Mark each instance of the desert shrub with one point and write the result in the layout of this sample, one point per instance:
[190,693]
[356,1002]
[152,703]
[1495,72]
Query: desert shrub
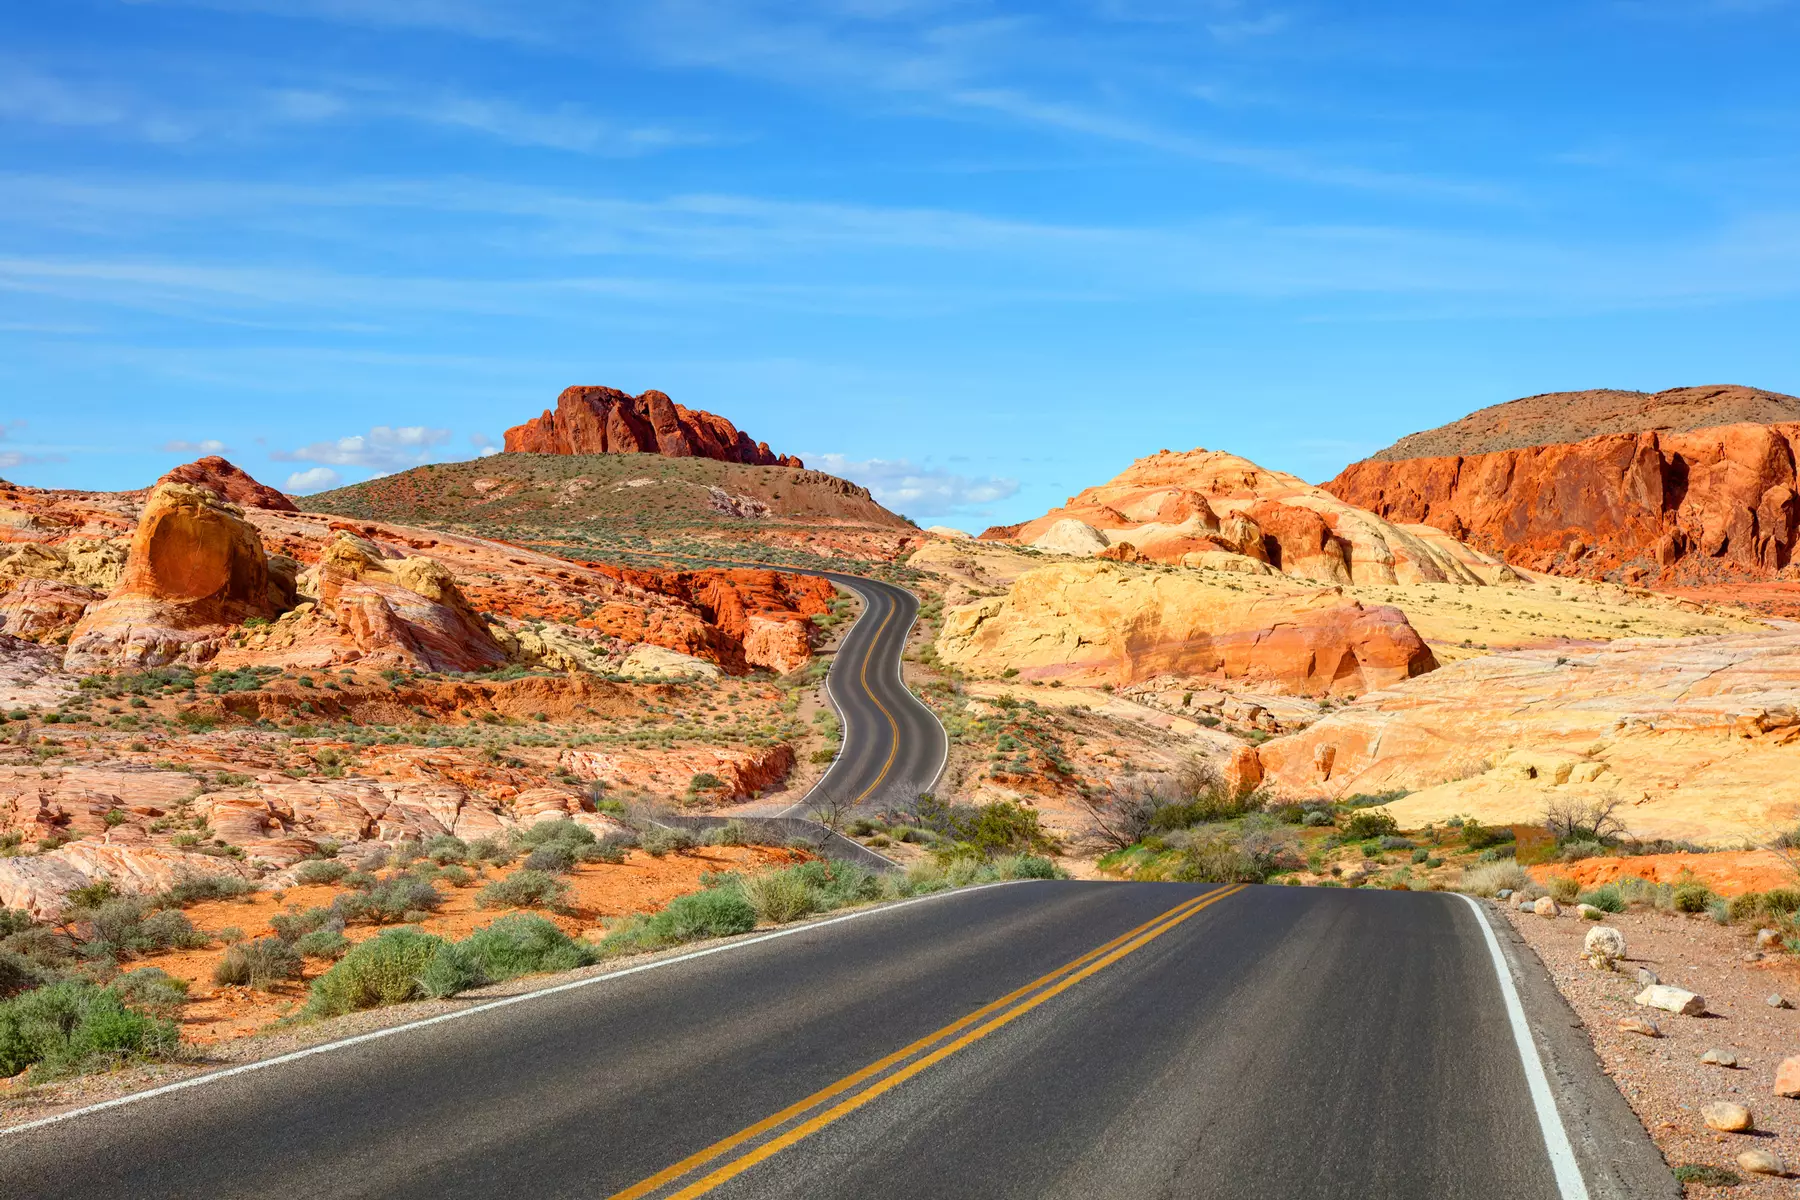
[560,832]
[399,898]
[524,888]
[204,887]
[445,849]
[1368,823]
[551,856]
[152,990]
[19,973]
[1779,902]
[1563,889]
[260,964]
[1397,843]
[1489,878]
[490,851]
[74,1024]
[455,876]
[779,896]
[1026,866]
[715,912]
[1314,818]
[524,944]
[1606,899]
[124,927]
[658,840]
[1479,837]
[293,926]
[1692,897]
[1706,1175]
[322,943]
[734,833]
[606,850]
[383,970]
[1218,860]
[320,871]
[1578,850]
[1421,855]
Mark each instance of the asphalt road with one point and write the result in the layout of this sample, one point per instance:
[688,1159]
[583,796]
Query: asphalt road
[1051,1039]
[893,746]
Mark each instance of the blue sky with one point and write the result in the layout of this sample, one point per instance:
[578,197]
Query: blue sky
[978,255]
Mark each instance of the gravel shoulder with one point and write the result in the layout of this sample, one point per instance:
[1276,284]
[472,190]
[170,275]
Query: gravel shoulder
[1662,1078]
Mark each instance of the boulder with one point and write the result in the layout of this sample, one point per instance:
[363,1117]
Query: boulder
[1762,1162]
[1787,1077]
[405,609]
[1723,1058]
[1604,946]
[195,569]
[1727,1117]
[1588,912]
[654,662]
[1544,906]
[1671,999]
[1070,536]
[1639,1025]
[1768,939]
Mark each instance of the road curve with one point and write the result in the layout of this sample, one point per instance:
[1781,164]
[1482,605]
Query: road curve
[1054,1039]
[893,747]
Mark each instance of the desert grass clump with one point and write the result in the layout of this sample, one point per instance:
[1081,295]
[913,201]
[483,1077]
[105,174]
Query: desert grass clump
[1564,889]
[1692,897]
[1491,878]
[524,944]
[780,896]
[320,871]
[323,943]
[1606,899]
[383,970]
[714,912]
[524,888]
[260,964]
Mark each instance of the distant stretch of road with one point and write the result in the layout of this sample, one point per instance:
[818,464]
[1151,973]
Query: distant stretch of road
[1037,1040]
[893,746]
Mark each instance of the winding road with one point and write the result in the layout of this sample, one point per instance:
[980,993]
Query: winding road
[1053,1039]
[893,747]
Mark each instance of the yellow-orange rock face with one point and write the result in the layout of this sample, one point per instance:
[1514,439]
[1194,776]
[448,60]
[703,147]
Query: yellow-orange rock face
[195,568]
[1699,737]
[1097,622]
[1206,508]
[408,610]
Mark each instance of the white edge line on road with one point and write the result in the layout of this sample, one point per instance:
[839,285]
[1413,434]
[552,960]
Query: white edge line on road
[489,1006]
[1569,1183]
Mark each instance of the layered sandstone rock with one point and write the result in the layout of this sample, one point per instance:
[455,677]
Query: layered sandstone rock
[603,420]
[196,568]
[1205,508]
[1651,494]
[1699,736]
[765,613]
[230,482]
[44,610]
[40,884]
[1100,622]
[405,609]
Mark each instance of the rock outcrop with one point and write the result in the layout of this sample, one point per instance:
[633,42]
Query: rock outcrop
[603,420]
[762,615]
[195,569]
[230,482]
[1097,622]
[406,609]
[44,610]
[1699,737]
[1205,508]
[1667,501]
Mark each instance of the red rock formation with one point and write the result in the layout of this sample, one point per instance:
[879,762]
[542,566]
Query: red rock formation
[1692,507]
[405,610]
[231,482]
[603,420]
[195,568]
[43,610]
[763,612]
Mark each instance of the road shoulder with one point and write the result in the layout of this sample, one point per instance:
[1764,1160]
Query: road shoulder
[1618,1160]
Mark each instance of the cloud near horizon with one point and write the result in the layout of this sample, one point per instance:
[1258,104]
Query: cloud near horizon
[204,446]
[384,448]
[316,479]
[916,491]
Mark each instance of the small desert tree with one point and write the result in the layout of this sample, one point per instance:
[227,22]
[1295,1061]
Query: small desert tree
[1584,819]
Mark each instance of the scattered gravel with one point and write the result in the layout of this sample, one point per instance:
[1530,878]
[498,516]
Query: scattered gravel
[1665,1078]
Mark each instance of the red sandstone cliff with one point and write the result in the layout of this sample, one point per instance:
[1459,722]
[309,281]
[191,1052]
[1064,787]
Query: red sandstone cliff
[1689,506]
[603,420]
[231,482]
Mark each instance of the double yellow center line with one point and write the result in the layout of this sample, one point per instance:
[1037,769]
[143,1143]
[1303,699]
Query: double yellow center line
[881,1076]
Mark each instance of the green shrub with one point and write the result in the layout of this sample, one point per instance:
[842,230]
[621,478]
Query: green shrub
[1692,898]
[1218,860]
[657,841]
[19,973]
[1026,866]
[1704,1175]
[524,944]
[734,833]
[1563,889]
[524,888]
[715,912]
[322,943]
[320,871]
[291,927]
[1606,899]
[74,1024]
[260,964]
[152,990]
[560,832]
[395,899]
[1779,902]
[551,856]
[455,876]
[1369,823]
[1744,907]
[446,849]
[779,896]
[383,970]
[490,851]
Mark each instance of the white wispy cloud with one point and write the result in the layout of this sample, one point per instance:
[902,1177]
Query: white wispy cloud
[383,448]
[919,491]
[314,479]
[204,446]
